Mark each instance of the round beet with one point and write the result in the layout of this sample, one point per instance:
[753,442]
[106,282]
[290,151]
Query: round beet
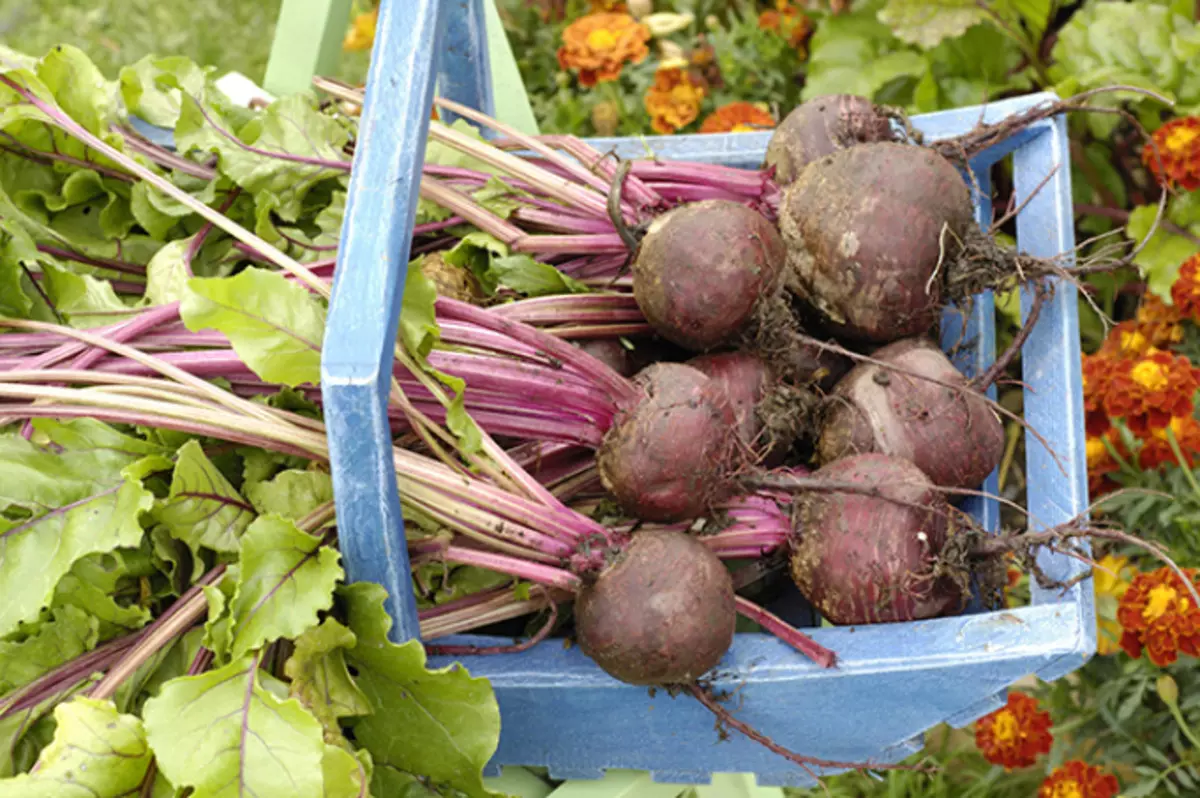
[951,435]
[821,126]
[663,613]
[701,270]
[870,232]
[770,417]
[611,352]
[862,559]
[668,456]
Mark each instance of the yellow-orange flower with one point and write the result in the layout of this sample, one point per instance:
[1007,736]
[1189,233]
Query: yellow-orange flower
[1110,578]
[1156,448]
[608,6]
[1076,779]
[361,35]
[1178,145]
[599,45]
[673,101]
[1151,390]
[789,22]
[1158,613]
[737,117]
[1097,374]
[1185,292]
[1015,734]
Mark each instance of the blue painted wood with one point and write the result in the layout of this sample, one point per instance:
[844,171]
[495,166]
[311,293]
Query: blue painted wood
[894,681]
[357,355]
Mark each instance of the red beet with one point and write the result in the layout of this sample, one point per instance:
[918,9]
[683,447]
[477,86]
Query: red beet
[663,613]
[822,126]
[953,436]
[668,456]
[870,232]
[611,352]
[770,417]
[702,269]
[862,559]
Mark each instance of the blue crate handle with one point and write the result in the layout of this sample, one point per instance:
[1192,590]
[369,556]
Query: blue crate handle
[560,711]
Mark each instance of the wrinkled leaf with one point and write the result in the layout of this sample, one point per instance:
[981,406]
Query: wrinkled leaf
[442,724]
[293,493]
[275,325]
[96,753]
[226,734]
[203,509]
[928,22]
[286,578]
[319,677]
[1160,259]
[855,53]
[69,633]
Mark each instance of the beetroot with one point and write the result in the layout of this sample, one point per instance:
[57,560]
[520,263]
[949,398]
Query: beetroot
[867,229]
[663,613]
[951,435]
[702,269]
[770,417]
[611,352]
[822,126]
[862,559]
[669,454]
[451,281]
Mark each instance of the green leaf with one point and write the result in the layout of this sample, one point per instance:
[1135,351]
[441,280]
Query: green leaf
[1142,44]
[89,587]
[291,494]
[1160,259]
[319,677]
[441,724]
[69,633]
[289,126]
[489,260]
[928,22]
[74,517]
[855,53]
[96,753]
[153,87]
[345,775]
[166,273]
[218,626]
[276,326]
[83,300]
[226,734]
[79,88]
[23,735]
[202,508]
[286,578]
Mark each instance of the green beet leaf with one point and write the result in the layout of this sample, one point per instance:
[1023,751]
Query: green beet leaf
[96,753]
[275,325]
[84,301]
[346,775]
[23,735]
[319,676]
[928,22]
[203,509]
[73,515]
[69,633]
[153,88]
[166,273]
[855,53]
[440,724]
[1160,259]
[293,493]
[286,577]
[226,734]
[489,260]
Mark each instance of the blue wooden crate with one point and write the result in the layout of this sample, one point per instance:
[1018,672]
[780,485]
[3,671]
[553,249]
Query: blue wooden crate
[558,709]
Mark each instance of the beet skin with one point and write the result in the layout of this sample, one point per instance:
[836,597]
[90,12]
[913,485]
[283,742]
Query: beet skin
[951,435]
[662,614]
[867,229]
[668,455]
[860,559]
[822,126]
[702,269]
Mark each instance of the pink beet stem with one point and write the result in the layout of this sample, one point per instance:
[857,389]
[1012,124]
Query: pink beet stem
[786,632]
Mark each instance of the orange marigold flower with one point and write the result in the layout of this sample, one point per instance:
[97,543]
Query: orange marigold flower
[1158,613]
[1100,462]
[1156,449]
[361,35]
[1185,292]
[789,22]
[673,101]
[1015,734]
[1178,145]
[1110,578]
[1150,391]
[737,117]
[598,45]
[609,6]
[1076,779]
[1097,374]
